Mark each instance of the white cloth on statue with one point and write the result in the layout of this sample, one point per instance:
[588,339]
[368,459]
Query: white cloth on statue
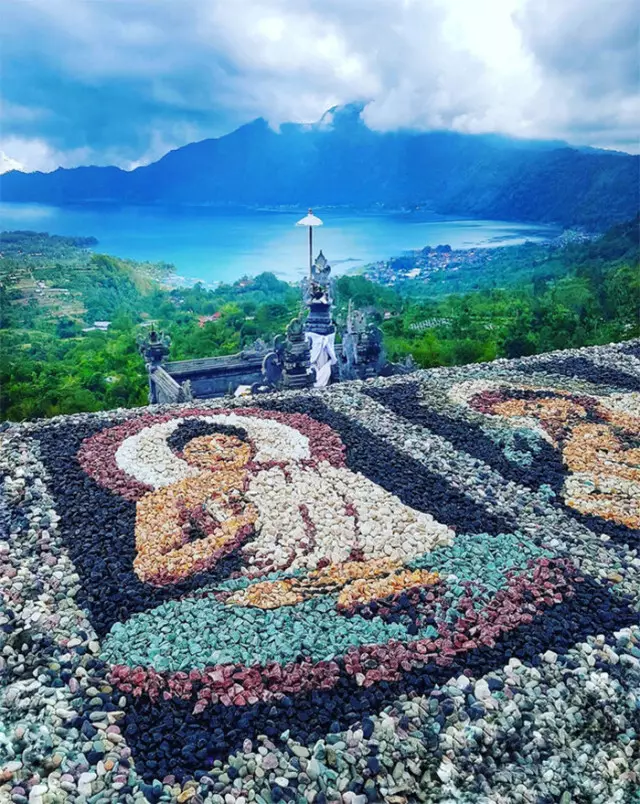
[322,357]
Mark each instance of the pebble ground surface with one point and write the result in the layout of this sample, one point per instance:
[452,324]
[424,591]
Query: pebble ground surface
[419,589]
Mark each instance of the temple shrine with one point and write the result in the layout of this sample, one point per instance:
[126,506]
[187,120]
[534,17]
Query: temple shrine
[307,355]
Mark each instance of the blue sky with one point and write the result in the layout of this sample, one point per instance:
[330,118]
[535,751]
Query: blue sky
[123,81]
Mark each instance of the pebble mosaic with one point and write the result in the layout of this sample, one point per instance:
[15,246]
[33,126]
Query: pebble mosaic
[425,588]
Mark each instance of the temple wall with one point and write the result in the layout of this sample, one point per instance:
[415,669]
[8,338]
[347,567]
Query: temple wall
[214,379]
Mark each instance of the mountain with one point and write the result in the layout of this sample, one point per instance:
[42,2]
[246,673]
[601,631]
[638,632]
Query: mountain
[340,162]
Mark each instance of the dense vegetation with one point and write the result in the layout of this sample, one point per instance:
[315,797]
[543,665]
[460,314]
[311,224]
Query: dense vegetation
[532,299]
[52,289]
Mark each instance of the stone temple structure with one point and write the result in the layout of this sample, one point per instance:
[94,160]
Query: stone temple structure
[306,355]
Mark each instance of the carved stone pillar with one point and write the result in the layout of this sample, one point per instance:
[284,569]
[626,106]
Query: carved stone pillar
[154,348]
[319,298]
[296,372]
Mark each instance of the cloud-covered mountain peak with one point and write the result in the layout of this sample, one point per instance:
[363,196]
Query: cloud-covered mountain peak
[7,163]
[348,114]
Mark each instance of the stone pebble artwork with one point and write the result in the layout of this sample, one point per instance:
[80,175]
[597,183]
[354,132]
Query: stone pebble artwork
[418,589]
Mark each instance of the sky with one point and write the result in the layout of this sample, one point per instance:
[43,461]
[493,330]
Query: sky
[123,81]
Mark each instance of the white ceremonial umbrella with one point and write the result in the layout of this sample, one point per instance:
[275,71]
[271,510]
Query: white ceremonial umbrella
[310,220]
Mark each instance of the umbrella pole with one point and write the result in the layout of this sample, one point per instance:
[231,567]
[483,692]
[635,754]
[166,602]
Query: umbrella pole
[310,250]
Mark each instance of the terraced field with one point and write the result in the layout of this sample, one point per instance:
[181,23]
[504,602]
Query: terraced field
[425,588]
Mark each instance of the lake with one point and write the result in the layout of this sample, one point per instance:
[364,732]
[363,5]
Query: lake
[212,245]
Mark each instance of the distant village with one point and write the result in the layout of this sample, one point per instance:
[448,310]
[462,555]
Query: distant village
[424,264]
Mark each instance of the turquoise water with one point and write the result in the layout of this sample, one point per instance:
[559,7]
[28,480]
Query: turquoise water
[210,245]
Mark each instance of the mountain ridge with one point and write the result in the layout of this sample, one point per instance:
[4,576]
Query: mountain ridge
[339,161]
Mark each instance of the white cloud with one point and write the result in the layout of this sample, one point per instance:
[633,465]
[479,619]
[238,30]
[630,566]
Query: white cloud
[122,80]
[32,154]
[7,163]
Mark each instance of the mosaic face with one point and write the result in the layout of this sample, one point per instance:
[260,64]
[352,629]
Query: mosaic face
[583,448]
[599,446]
[262,566]
[306,570]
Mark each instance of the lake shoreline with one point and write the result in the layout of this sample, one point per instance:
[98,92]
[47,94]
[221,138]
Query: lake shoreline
[212,246]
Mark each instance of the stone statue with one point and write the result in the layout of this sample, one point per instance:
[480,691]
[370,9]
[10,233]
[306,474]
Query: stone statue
[186,392]
[317,292]
[406,366]
[372,352]
[296,357]
[349,356]
[258,346]
[362,352]
[321,272]
[154,348]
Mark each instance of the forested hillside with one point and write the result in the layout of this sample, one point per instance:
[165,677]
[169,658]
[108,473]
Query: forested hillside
[53,290]
[582,294]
